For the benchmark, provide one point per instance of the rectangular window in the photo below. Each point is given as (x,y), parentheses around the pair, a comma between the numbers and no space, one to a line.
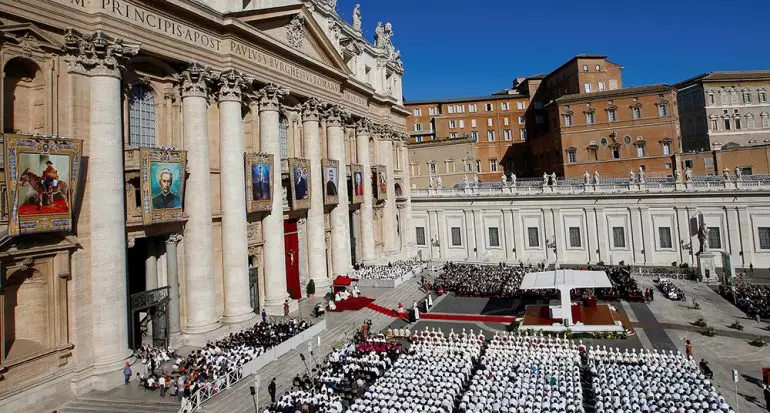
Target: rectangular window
(567,120)
(746,171)
(520,105)
(598,68)
(462,123)
(734,98)
(417,112)
(668,165)
(508,134)
(489,121)
(453,135)
(612,115)
(504,106)
(619,237)
(493,165)
(523,134)
(473,123)
(666,148)
(491,135)
(762,97)
(738,124)
(728,125)
(490,107)
(585,68)
(417,127)
(711,99)
(714,125)
(640,151)
(590,118)
(746,97)
(457,239)
(452,124)
(764,238)
(494,237)
(636,113)
(571,156)
(468,167)
(615,152)
(715,238)
(708,162)
(506,121)
(432,111)
(420,235)
(478,165)
(574,237)
(664,237)
(432,168)
(472,107)
(533,237)
(750,122)
(601,86)
(766,121)
(418,139)
(662,110)
(593,154)
(522,120)
(474,136)
(688,163)
(587,87)
(451,109)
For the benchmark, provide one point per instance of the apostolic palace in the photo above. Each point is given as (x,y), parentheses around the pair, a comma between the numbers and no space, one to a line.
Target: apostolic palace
(149,110)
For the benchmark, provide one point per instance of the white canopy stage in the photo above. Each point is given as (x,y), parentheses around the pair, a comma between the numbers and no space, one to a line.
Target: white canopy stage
(564,281)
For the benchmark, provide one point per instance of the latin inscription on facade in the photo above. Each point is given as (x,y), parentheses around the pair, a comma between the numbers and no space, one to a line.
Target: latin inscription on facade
(355,98)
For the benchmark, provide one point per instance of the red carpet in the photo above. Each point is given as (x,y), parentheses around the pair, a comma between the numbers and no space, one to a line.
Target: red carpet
(469,317)
(388,312)
(352,304)
(58,207)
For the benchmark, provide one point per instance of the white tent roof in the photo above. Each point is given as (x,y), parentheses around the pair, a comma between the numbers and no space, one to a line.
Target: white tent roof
(565,278)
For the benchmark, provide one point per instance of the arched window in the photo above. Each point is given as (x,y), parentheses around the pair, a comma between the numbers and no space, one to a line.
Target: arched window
(141,117)
(283,127)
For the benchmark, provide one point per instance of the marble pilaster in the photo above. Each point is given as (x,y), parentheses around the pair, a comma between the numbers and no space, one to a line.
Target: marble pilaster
(385,147)
(235,254)
(199,258)
(272,224)
(340,215)
(363,134)
(172,270)
(316,233)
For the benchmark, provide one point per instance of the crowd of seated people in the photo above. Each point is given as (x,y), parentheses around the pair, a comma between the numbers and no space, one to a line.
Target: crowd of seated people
(650,381)
(624,286)
(473,280)
(345,374)
(391,271)
(752,299)
(526,374)
(428,378)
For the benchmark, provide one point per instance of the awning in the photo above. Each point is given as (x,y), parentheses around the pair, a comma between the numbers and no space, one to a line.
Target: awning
(565,279)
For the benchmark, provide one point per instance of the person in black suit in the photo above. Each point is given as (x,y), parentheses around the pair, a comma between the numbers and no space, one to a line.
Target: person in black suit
(331,187)
(300,184)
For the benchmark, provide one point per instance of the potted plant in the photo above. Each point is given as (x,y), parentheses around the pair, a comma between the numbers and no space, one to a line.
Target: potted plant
(310,289)
(699,323)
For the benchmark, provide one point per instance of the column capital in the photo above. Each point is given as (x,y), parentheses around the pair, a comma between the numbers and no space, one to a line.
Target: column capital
(195,81)
(269,97)
(174,238)
(311,110)
(231,86)
(335,115)
(364,127)
(97,54)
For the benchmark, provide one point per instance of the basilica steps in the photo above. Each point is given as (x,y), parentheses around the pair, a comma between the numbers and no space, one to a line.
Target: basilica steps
(92,404)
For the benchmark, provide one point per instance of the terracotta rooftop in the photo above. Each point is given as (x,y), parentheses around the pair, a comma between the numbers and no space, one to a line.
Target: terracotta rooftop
(637,90)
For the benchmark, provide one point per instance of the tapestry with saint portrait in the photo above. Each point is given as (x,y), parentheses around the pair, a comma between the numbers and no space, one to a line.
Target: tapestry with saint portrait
(357,187)
(331,174)
(300,183)
(259,182)
(162,174)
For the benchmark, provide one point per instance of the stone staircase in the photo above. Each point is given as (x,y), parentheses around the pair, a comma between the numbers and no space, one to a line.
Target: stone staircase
(96,404)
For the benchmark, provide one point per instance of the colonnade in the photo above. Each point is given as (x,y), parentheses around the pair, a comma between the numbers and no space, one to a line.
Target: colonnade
(106,225)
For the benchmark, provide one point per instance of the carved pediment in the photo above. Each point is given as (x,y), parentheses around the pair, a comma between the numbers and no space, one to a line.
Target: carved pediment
(30,38)
(296,28)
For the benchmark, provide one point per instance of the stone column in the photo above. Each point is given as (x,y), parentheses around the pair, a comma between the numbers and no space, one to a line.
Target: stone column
(199,258)
(272,224)
(235,253)
(172,269)
(102,59)
(363,133)
(384,144)
(340,215)
(316,232)
(409,235)
(151,266)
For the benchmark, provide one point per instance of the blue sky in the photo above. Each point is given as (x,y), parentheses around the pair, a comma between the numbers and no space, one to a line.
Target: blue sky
(454,48)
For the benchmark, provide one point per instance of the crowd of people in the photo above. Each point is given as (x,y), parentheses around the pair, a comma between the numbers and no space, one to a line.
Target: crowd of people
(624,286)
(474,280)
(650,381)
(391,271)
(752,299)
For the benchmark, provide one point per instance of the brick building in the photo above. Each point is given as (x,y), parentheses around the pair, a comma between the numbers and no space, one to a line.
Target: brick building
(612,132)
(495,124)
(452,160)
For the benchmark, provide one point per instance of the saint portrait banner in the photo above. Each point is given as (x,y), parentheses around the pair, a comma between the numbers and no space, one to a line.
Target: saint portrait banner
(259,182)
(162,175)
(357,177)
(331,174)
(42,175)
(300,183)
(380,182)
